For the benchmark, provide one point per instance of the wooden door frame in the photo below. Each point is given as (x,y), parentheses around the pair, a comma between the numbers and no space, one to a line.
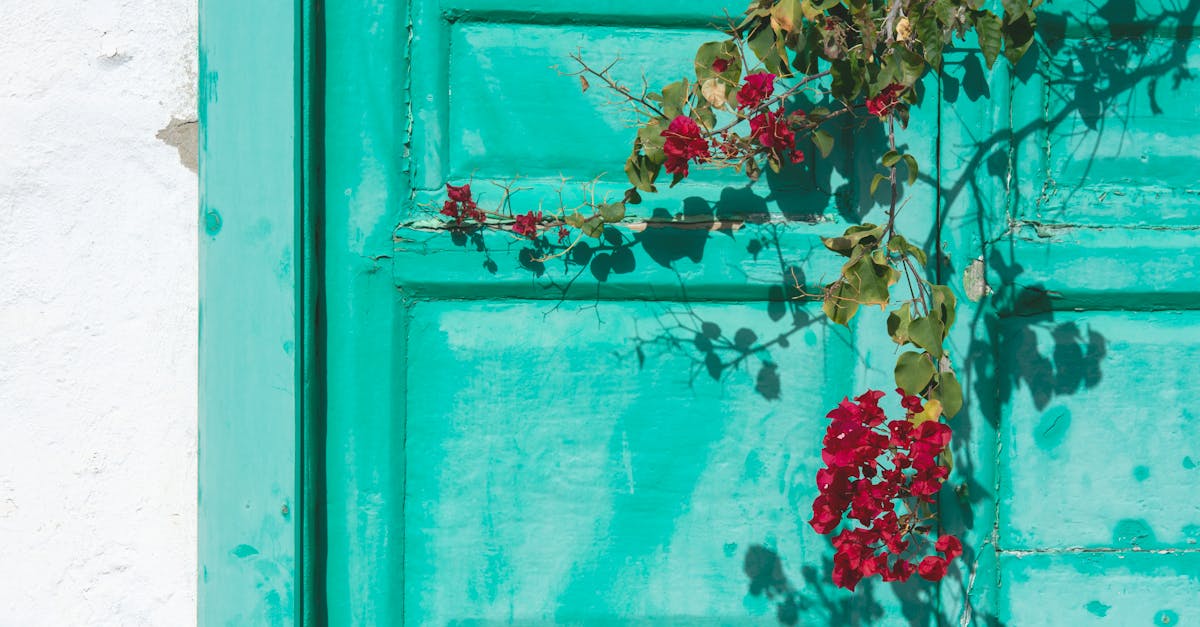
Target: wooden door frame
(257,311)
(302,180)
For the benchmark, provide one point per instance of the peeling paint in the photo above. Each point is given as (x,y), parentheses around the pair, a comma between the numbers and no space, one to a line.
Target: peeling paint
(183,135)
(975,281)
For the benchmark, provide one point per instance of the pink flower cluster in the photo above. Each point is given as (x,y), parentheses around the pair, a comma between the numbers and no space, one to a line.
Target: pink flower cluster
(527,224)
(684,143)
(869,468)
(885,101)
(461,206)
(757,88)
(773,130)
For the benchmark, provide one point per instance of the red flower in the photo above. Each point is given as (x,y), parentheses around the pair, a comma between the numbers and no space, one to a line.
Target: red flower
(869,403)
(684,144)
(773,131)
(885,101)
(757,88)
(563,233)
(826,517)
(720,65)
(527,224)
(461,193)
(950,547)
(929,439)
(870,466)
(461,206)
(901,571)
(932,568)
(901,433)
(926,484)
(909,402)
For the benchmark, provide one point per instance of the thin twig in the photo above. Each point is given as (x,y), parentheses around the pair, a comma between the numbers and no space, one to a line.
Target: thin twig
(614,85)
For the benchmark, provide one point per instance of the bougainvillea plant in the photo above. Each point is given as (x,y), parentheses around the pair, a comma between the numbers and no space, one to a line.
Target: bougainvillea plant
(862,61)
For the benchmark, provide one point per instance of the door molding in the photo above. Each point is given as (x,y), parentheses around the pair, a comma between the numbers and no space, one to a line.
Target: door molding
(257,312)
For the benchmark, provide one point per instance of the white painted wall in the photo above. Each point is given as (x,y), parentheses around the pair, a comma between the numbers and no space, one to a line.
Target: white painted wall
(97,313)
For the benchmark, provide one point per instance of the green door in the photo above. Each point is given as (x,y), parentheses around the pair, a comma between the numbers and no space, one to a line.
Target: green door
(1091,337)
(629,434)
(625,435)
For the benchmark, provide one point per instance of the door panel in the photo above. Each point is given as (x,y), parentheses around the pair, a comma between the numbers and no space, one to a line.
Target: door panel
(512,108)
(628,434)
(550,478)
(1097,328)
(1100,588)
(1081,426)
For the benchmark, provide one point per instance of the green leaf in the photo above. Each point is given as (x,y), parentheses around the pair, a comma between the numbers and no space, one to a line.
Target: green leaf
(876,181)
(593,226)
(847,82)
(933,40)
(752,16)
(839,304)
(807,46)
(1019,28)
(890,159)
(886,73)
(949,392)
(944,10)
(912,66)
(946,458)
(927,333)
(787,15)
(708,54)
(988,26)
(575,219)
(898,244)
(613,212)
(913,171)
(943,304)
(765,46)
(650,138)
(898,322)
(1013,7)
(868,280)
(864,22)
(773,161)
(705,115)
(867,235)
(675,97)
(810,12)
(823,141)
(913,372)
(642,172)
(825,5)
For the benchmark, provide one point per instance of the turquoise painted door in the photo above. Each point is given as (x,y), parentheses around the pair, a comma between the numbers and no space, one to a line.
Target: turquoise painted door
(629,434)
(1091,339)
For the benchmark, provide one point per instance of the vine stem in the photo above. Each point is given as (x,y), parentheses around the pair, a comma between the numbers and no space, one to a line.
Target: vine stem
(891,226)
(615,86)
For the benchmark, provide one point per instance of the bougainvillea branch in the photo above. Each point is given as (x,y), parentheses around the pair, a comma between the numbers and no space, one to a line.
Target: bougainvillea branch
(742,107)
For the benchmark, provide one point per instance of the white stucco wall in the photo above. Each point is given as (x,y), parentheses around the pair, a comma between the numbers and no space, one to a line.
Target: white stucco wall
(97,313)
